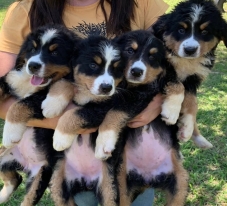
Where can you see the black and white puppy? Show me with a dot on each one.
(147, 73)
(191, 33)
(43, 60)
(98, 69)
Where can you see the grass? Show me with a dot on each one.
(207, 168)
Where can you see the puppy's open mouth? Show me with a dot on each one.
(36, 80)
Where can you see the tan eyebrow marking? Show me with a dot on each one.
(153, 50)
(53, 47)
(134, 45)
(116, 64)
(34, 43)
(204, 25)
(183, 24)
(98, 60)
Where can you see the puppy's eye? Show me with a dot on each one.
(181, 31)
(204, 32)
(130, 51)
(93, 66)
(54, 53)
(32, 50)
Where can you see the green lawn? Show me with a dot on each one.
(207, 168)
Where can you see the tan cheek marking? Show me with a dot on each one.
(207, 46)
(59, 71)
(83, 80)
(172, 44)
(153, 50)
(97, 59)
(183, 24)
(53, 47)
(204, 25)
(34, 43)
(152, 74)
(134, 45)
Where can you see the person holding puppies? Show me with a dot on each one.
(87, 17)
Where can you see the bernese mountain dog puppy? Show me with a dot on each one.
(40, 66)
(191, 33)
(43, 60)
(98, 68)
(147, 73)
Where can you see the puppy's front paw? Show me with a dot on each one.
(186, 127)
(105, 144)
(53, 106)
(62, 141)
(12, 133)
(171, 109)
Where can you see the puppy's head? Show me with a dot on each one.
(192, 29)
(98, 66)
(45, 54)
(145, 56)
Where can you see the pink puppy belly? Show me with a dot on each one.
(81, 161)
(27, 154)
(150, 157)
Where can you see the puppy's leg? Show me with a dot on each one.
(174, 96)
(188, 117)
(59, 187)
(66, 130)
(11, 180)
(108, 187)
(58, 97)
(36, 186)
(199, 140)
(125, 197)
(108, 133)
(15, 123)
(177, 192)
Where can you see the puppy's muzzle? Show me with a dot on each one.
(136, 72)
(190, 50)
(34, 67)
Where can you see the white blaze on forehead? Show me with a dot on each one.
(109, 53)
(48, 35)
(196, 12)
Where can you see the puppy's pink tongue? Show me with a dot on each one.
(36, 80)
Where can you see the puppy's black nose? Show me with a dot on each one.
(190, 50)
(34, 66)
(105, 88)
(136, 72)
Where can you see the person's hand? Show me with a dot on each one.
(148, 114)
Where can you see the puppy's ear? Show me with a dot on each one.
(159, 27)
(20, 61)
